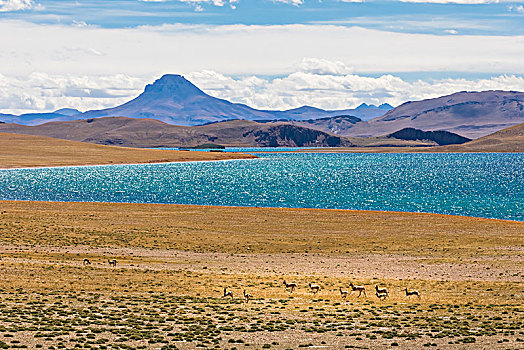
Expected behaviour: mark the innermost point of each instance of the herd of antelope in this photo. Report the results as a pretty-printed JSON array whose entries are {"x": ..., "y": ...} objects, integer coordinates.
[{"x": 381, "y": 293}]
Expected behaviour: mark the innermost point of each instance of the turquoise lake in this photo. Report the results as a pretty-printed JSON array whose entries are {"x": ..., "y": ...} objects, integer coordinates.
[{"x": 482, "y": 185}]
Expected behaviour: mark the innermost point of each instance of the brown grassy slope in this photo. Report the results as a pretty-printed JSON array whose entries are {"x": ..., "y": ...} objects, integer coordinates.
[
  {"x": 507, "y": 140},
  {"x": 262, "y": 230},
  {"x": 134, "y": 132},
  {"x": 34, "y": 151}
]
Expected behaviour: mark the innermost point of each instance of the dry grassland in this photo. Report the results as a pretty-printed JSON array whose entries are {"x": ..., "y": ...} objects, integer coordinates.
[
  {"x": 21, "y": 151},
  {"x": 174, "y": 261}
]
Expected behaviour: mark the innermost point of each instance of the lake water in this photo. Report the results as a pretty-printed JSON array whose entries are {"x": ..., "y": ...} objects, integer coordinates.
[{"x": 483, "y": 185}]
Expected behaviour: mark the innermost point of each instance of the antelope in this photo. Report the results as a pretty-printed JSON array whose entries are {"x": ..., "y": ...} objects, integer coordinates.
[
  {"x": 381, "y": 296},
  {"x": 227, "y": 293},
  {"x": 86, "y": 261},
  {"x": 112, "y": 262},
  {"x": 291, "y": 285},
  {"x": 315, "y": 288},
  {"x": 344, "y": 293},
  {"x": 413, "y": 292},
  {"x": 381, "y": 290},
  {"x": 360, "y": 289},
  {"x": 247, "y": 296}
]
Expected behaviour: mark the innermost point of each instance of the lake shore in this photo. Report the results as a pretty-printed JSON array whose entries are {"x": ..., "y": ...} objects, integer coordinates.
[
  {"x": 24, "y": 151},
  {"x": 173, "y": 262}
]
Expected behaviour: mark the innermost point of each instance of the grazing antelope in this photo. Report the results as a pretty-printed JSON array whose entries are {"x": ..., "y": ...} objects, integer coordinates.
[
  {"x": 381, "y": 290},
  {"x": 381, "y": 296},
  {"x": 315, "y": 288},
  {"x": 227, "y": 293},
  {"x": 413, "y": 292},
  {"x": 291, "y": 285},
  {"x": 247, "y": 296},
  {"x": 112, "y": 262},
  {"x": 86, "y": 261},
  {"x": 359, "y": 289},
  {"x": 344, "y": 293}
]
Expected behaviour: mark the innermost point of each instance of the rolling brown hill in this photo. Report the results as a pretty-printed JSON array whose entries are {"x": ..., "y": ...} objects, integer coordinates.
[
  {"x": 20, "y": 151},
  {"x": 508, "y": 140},
  {"x": 131, "y": 132}
]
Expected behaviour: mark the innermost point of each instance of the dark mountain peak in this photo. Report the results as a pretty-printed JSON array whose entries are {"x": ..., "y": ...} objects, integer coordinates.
[
  {"x": 386, "y": 106},
  {"x": 173, "y": 85},
  {"x": 363, "y": 105}
]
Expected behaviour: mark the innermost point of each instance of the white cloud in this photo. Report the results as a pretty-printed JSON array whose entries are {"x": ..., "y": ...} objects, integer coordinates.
[
  {"x": 15, "y": 5},
  {"x": 516, "y": 8},
  {"x": 338, "y": 91},
  {"x": 291, "y": 2},
  {"x": 242, "y": 49},
  {"x": 43, "y": 92},
  {"x": 323, "y": 66}
]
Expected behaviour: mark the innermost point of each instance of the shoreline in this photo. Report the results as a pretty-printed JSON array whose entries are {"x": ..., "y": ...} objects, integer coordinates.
[
  {"x": 208, "y": 206},
  {"x": 124, "y": 164},
  {"x": 28, "y": 151}
]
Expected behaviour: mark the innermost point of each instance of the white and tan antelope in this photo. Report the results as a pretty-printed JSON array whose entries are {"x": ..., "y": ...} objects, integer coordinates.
[
  {"x": 227, "y": 293},
  {"x": 290, "y": 286},
  {"x": 413, "y": 292},
  {"x": 87, "y": 261},
  {"x": 315, "y": 288},
  {"x": 381, "y": 290},
  {"x": 247, "y": 296},
  {"x": 112, "y": 262},
  {"x": 343, "y": 293},
  {"x": 359, "y": 289},
  {"x": 381, "y": 296}
]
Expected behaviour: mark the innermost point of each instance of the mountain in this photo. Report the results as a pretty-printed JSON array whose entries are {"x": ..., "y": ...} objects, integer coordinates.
[
  {"x": 175, "y": 100},
  {"x": 440, "y": 137},
  {"x": 133, "y": 132},
  {"x": 470, "y": 114},
  {"x": 41, "y": 118},
  {"x": 304, "y": 113}
]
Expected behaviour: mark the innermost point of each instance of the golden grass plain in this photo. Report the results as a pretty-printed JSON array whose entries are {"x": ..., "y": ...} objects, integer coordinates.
[
  {"x": 21, "y": 151},
  {"x": 174, "y": 261}
]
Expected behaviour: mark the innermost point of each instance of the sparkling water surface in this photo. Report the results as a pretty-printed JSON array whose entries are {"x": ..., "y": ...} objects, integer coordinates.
[{"x": 483, "y": 185}]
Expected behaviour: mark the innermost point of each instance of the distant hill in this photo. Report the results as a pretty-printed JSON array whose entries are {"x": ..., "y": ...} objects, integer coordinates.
[
  {"x": 131, "y": 132},
  {"x": 470, "y": 114},
  {"x": 442, "y": 138},
  {"x": 41, "y": 118}
]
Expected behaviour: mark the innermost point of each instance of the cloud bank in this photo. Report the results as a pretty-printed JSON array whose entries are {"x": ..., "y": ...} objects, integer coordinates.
[{"x": 43, "y": 92}]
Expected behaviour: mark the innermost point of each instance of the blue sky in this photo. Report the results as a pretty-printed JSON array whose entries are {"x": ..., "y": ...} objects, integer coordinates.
[
  {"x": 489, "y": 18},
  {"x": 269, "y": 54}
]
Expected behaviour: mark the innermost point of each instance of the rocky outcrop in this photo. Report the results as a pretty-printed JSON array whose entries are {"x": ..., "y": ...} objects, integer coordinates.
[
  {"x": 293, "y": 136},
  {"x": 440, "y": 137}
]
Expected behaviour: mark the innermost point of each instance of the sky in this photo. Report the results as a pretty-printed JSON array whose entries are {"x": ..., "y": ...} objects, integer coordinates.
[{"x": 269, "y": 54}]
